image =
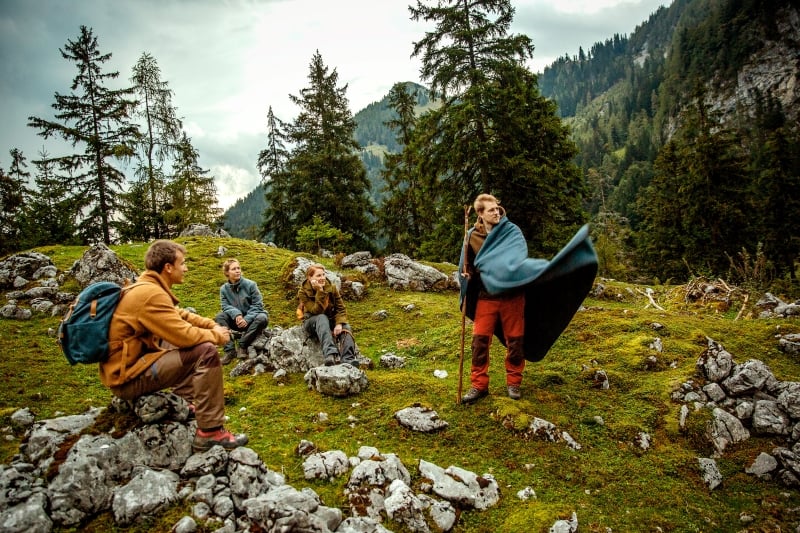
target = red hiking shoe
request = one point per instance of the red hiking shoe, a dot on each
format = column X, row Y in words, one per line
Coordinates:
column 205, row 440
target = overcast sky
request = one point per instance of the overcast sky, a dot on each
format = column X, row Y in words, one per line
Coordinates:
column 228, row 61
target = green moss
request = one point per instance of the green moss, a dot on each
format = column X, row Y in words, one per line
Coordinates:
column 609, row 483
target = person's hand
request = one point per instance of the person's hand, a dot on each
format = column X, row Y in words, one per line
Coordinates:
column 241, row 322
column 337, row 330
column 319, row 285
column 225, row 332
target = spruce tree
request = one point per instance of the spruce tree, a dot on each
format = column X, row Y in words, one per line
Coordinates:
column 402, row 213
column 272, row 167
column 324, row 175
column 494, row 132
column 464, row 53
column 98, row 118
column 161, row 132
column 272, row 159
column 13, row 192
column 694, row 213
column 774, row 148
column 191, row 193
column 52, row 212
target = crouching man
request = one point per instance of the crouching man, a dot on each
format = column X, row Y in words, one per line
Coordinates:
column 154, row 345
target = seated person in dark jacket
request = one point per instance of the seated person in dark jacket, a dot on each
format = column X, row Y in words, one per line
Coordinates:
column 242, row 311
column 325, row 317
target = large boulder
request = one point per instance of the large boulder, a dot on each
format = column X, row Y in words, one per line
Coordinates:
column 100, row 263
column 405, row 274
column 203, row 230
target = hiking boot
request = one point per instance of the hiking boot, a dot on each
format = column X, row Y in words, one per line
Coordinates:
column 227, row 357
column 473, row 395
column 241, row 353
column 205, row 440
column 513, row 392
column 330, row 360
column 352, row 361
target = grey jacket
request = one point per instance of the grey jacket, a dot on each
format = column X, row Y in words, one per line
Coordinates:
column 241, row 298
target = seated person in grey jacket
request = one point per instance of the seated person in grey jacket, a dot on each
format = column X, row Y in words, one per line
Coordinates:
column 242, row 310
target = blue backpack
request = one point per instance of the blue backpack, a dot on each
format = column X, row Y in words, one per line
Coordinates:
column 83, row 332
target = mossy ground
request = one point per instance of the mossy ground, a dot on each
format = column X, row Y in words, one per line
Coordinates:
column 609, row 483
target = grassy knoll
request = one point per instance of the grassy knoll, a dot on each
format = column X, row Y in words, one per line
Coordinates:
column 610, row 483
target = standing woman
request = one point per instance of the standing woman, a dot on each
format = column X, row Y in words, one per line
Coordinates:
column 325, row 317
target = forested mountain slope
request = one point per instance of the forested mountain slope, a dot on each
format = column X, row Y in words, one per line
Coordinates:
column 244, row 218
column 687, row 135
column 687, row 139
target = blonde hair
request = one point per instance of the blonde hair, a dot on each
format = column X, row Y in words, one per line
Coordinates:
column 226, row 266
column 483, row 199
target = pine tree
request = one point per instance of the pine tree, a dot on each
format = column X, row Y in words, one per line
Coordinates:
column 52, row 212
column 161, row 133
column 494, row 133
column 272, row 167
column 774, row 147
column 469, row 44
column 324, row 175
column 191, row 194
column 13, row 192
column 272, row 159
column 98, row 118
column 466, row 51
column 694, row 211
column 402, row 213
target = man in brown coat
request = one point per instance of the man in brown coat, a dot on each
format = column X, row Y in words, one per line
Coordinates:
column 154, row 345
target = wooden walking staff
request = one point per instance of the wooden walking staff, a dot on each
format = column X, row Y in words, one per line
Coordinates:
column 463, row 304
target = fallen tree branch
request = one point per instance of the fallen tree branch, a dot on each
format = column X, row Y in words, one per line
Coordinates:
column 649, row 295
column 744, row 304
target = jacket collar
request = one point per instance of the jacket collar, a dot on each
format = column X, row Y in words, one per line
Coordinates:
column 152, row 276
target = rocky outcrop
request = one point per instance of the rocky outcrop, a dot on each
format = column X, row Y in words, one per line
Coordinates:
column 745, row 399
column 772, row 70
column 100, row 263
column 68, row 472
column 203, row 230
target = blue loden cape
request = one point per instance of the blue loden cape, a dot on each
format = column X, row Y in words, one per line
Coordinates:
column 554, row 290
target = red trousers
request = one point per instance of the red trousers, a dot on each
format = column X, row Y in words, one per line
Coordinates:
column 510, row 313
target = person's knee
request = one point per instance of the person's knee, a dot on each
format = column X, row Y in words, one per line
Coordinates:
column 207, row 355
column 199, row 354
column 480, row 349
column 221, row 319
column 261, row 320
column 314, row 323
column 516, row 350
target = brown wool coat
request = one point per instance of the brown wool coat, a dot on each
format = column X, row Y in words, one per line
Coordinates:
column 146, row 315
column 328, row 302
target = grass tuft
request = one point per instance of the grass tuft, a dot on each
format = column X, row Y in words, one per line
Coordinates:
column 611, row 483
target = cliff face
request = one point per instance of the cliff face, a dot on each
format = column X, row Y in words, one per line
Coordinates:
column 774, row 69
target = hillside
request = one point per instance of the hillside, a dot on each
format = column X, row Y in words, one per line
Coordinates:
column 612, row 483
column 626, row 97
column 375, row 139
column 703, row 97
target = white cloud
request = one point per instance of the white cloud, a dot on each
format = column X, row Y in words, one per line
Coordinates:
column 233, row 183
column 228, row 62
